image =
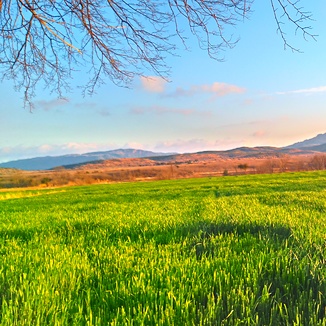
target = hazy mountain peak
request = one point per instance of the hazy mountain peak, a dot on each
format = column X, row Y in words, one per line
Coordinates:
column 315, row 141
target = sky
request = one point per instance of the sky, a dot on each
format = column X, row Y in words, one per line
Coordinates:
column 260, row 95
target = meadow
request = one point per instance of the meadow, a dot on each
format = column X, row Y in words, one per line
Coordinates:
column 244, row 250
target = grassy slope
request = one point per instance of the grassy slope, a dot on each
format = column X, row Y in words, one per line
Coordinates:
column 246, row 250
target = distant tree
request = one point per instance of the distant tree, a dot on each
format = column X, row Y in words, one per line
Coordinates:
column 267, row 166
column 318, row 162
column 225, row 173
column 283, row 162
column 243, row 166
column 45, row 41
column 46, row 181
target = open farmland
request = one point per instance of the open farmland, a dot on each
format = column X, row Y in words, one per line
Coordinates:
column 245, row 250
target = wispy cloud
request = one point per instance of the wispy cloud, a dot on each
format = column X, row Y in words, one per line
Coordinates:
column 166, row 110
column 259, row 133
column 249, row 124
column 21, row 151
column 153, row 84
column 104, row 113
column 196, row 144
column 320, row 89
column 87, row 106
column 48, row 105
column 55, row 104
column 216, row 89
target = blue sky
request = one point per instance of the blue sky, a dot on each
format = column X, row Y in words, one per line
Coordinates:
column 260, row 95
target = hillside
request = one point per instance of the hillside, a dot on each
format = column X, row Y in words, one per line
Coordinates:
column 50, row 162
column 310, row 143
column 306, row 147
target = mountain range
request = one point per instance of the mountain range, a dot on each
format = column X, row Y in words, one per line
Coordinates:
column 308, row 146
column 50, row 162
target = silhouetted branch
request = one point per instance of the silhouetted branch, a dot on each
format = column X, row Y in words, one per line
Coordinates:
column 44, row 42
column 291, row 12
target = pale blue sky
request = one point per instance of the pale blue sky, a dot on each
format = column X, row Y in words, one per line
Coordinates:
column 260, row 95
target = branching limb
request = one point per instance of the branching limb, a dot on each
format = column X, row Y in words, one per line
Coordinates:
column 43, row 42
column 296, row 16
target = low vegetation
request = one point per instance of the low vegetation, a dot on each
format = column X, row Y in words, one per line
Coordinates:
column 188, row 166
column 245, row 250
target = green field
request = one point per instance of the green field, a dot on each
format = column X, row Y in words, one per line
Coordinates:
column 246, row 250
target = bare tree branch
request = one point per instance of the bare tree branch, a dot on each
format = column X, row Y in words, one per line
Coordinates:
column 44, row 42
column 290, row 11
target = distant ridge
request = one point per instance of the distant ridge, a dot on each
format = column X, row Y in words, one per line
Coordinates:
column 306, row 147
column 259, row 152
column 50, row 162
column 312, row 142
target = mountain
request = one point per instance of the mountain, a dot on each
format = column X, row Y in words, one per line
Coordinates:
column 239, row 153
column 259, row 152
column 311, row 143
column 308, row 146
column 318, row 148
column 50, row 162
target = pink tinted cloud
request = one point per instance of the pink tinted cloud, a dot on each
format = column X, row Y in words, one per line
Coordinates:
column 196, row 144
column 216, row 89
column 153, row 84
column 259, row 133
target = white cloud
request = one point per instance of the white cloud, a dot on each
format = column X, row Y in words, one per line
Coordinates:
column 216, row 89
column 321, row 89
column 153, row 84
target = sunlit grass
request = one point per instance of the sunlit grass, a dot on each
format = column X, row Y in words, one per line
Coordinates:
column 246, row 250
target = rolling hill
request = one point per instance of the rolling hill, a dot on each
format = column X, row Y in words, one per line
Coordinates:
column 50, row 162
column 306, row 147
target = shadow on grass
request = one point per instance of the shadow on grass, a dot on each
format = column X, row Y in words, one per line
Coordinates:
column 284, row 282
column 20, row 234
column 144, row 232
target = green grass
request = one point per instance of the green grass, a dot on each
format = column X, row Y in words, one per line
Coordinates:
column 247, row 250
